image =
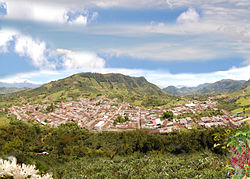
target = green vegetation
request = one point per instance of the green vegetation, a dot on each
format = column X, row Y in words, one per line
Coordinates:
column 239, row 166
column 4, row 90
column 120, row 119
column 50, row 108
column 168, row 115
column 222, row 86
column 76, row 152
column 227, row 105
column 205, row 165
column 238, row 101
column 198, row 115
column 235, row 105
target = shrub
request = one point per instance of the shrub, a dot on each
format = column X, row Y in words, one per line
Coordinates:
column 238, row 166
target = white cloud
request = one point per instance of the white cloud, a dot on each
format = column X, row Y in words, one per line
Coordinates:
column 189, row 16
column 29, row 76
column 3, row 8
column 165, row 80
column 94, row 16
column 48, row 12
column 43, row 57
column 36, row 50
column 103, row 3
column 35, row 11
column 136, row 4
column 5, row 37
column 80, row 20
column 81, row 17
column 165, row 52
column 80, row 60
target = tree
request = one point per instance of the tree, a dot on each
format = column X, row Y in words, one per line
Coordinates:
column 168, row 115
column 50, row 108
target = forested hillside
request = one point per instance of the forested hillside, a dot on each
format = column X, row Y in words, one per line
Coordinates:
column 136, row 90
column 222, row 86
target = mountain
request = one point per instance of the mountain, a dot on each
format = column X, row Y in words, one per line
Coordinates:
column 222, row 86
column 92, row 85
column 19, row 85
column 4, row 90
column 246, row 84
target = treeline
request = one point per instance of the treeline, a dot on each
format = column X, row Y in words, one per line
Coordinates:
column 69, row 142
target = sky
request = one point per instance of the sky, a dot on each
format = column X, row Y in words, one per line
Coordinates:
column 169, row 42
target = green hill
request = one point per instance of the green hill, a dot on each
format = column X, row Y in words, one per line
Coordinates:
column 237, row 101
column 222, row 86
column 125, row 88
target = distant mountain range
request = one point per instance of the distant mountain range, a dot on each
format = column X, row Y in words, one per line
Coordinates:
column 4, row 90
column 111, row 85
column 222, row 86
column 19, row 85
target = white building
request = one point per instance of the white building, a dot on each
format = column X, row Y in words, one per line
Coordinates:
column 99, row 125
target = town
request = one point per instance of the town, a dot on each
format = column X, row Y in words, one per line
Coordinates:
column 103, row 114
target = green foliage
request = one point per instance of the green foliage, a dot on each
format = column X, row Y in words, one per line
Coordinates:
column 70, row 145
column 152, row 101
column 221, row 139
column 50, row 108
column 168, row 115
column 4, row 90
column 239, row 166
column 198, row 115
column 120, row 119
column 205, row 165
column 227, row 105
column 223, row 86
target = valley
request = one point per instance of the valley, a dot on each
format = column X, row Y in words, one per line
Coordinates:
column 108, row 105
column 97, row 120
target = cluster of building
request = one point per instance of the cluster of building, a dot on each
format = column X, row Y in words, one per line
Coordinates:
column 101, row 114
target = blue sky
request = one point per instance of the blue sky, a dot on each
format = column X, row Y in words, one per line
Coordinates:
column 184, row 42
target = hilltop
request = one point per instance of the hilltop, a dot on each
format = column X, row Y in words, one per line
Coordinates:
column 112, row 85
column 222, row 86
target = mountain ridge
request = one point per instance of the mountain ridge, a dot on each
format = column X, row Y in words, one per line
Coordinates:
column 222, row 86
column 112, row 85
